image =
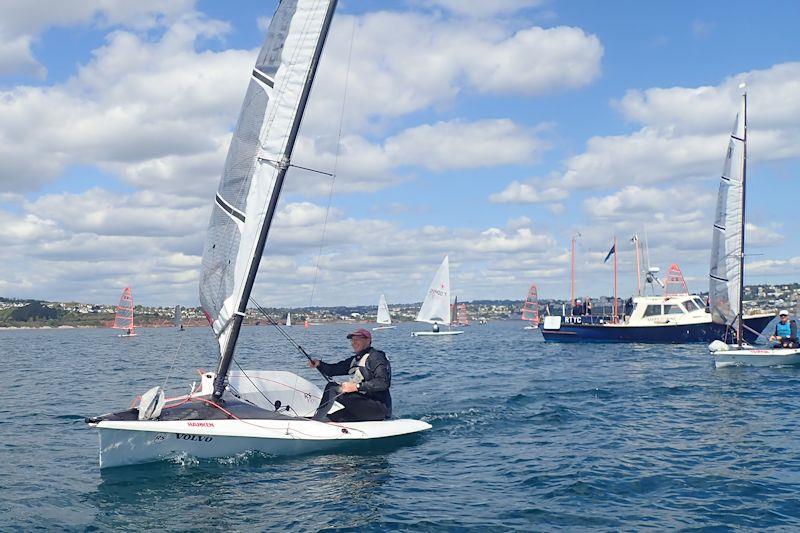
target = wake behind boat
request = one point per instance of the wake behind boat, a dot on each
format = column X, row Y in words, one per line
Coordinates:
column 234, row 412
column 726, row 275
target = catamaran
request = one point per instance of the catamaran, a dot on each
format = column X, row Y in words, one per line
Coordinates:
column 232, row 412
column 726, row 275
column 436, row 306
column 384, row 318
column 123, row 315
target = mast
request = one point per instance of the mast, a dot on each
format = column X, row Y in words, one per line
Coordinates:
column 615, row 280
column 744, row 187
column 572, row 272
column 638, row 267
column 283, row 164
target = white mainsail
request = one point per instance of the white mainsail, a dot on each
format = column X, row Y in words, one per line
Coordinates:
column 436, row 307
column 383, row 312
column 289, row 320
column 726, row 273
column 257, row 162
column 177, row 317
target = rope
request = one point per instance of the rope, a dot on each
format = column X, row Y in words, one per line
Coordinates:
column 288, row 338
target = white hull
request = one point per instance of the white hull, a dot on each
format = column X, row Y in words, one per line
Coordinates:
column 127, row 335
column 383, row 327
column 137, row 442
column 531, row 327
column 757, row 357
column 435, row 333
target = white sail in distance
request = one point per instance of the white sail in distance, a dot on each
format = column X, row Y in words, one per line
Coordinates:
column 384, row 317
column 257, row 160
column 436, row 307
column 726, row 249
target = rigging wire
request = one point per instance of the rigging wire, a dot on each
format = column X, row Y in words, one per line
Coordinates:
column 174, row 358
column 288, row 337
column 335, row 164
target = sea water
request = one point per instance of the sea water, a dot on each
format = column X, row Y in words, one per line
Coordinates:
column 526, row 436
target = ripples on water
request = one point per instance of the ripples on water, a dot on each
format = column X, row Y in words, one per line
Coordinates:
column 525, row 436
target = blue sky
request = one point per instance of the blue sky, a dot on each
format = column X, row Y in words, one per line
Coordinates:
column 491, row 130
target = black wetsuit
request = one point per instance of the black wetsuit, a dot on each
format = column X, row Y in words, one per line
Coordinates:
column 372, row 401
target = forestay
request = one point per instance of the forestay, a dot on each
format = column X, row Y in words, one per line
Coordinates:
column 436, row 307
column 257, row 160
column 726, row 250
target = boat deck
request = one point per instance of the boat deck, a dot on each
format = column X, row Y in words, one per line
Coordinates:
column 198, row 409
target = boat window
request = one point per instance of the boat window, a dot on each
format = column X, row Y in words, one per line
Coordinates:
column 691, row 305
column 652, row 310
column 673, row 309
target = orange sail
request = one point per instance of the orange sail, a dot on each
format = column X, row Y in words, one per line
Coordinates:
column 123, row 318
column 530, row 309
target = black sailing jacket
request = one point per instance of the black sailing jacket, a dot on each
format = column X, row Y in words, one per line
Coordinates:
column 377, row 374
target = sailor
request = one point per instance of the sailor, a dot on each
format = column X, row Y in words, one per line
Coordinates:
column 435, row 327
column 365, row 396
column 785, row 332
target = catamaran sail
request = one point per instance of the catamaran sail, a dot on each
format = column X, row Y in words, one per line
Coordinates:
column 436, row 306
column 123, row 315
column 727, row 259
column 225, row 416
column 384, row 318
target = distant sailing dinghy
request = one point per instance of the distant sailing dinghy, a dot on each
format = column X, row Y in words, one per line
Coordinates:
column 384, row 318
column 288, row 320
column 436, row 307
column 234, row 412
column 123, row 315
column 726, row 276
column 530, row 309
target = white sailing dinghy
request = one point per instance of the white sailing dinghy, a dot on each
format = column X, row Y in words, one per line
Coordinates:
column 288, row 320
column 726, row 276
column 436, row 306
column 384, row 318
column 235, row 412
column 123, row 314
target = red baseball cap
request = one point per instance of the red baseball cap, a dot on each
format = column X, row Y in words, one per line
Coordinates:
column 361, row 332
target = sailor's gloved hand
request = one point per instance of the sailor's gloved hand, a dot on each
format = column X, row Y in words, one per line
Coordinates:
column 314, row 363
column 348, row 387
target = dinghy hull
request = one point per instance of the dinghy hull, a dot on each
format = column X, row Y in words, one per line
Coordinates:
column 139, row 442
column 435, row 333
column 754, row 357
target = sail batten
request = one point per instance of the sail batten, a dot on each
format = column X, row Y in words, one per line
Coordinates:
column 725, row 274
column 251, row 183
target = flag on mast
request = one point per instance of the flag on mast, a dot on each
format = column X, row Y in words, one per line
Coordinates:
column 612, row 251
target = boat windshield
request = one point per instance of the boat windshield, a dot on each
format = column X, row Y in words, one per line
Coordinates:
column 652, row 310
column 692, row 305
column 673, row 309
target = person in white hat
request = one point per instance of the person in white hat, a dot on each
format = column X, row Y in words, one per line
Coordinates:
column 785, row 331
